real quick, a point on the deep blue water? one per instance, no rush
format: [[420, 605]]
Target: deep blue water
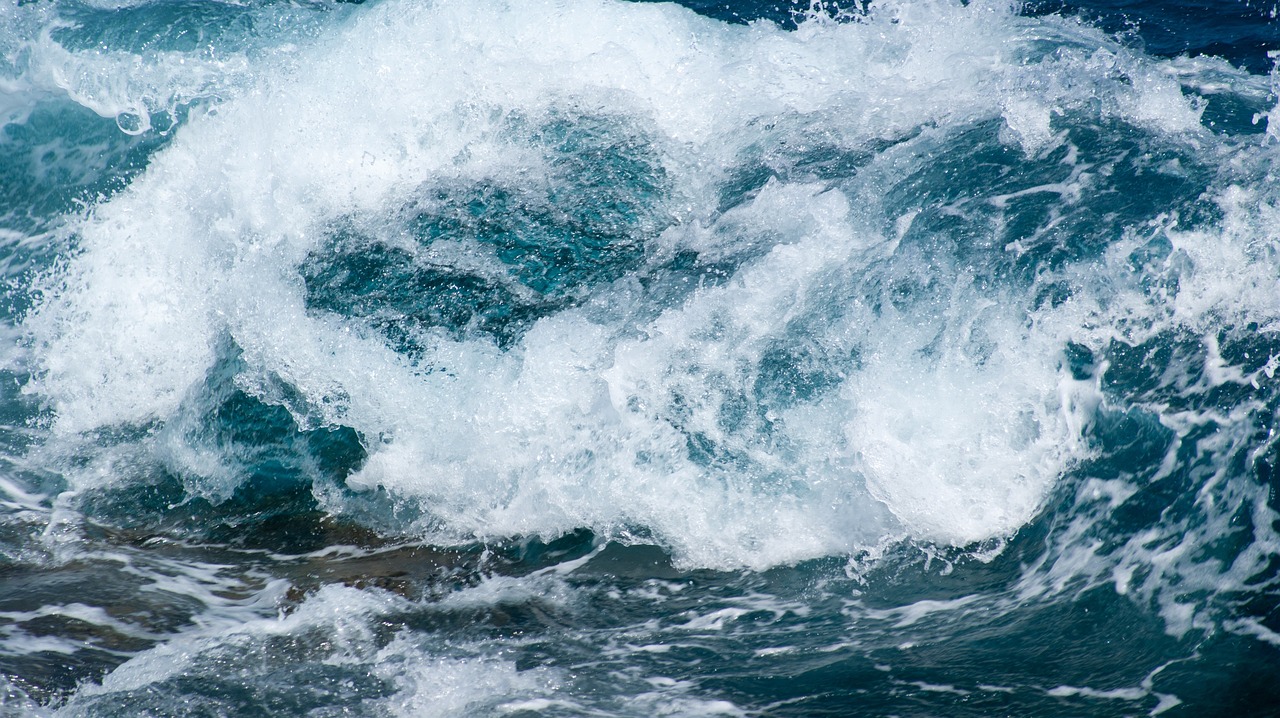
[[591, 358]]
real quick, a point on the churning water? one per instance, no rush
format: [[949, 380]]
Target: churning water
[[593, 358]]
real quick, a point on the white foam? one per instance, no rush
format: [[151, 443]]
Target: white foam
[[426, 682], [461, 687], [589, 419], [1030, 121], [343, 614], [964, 452]]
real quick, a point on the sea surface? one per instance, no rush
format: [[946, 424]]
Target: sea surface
[[599, 358]]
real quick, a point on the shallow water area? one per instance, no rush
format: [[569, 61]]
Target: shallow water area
[[587, 358]]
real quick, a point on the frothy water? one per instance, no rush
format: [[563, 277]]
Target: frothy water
[[596, 358], [525, 290]]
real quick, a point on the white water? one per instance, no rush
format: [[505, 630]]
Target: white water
[[951, 425]]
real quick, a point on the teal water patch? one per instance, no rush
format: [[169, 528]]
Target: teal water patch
[[489, 258], [1009, 217], [61, 160], [232, 467], [799, 150]]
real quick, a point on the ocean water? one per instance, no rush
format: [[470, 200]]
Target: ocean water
[[600, 358]]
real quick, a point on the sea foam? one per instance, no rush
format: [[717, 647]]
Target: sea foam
[[764, 360]]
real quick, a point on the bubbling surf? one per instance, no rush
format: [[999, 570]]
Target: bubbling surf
[[517, 261], [588, 302]]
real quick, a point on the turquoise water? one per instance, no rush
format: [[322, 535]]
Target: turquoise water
[[584, 358]]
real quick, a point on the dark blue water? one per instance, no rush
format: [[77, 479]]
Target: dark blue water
[[584, 358]]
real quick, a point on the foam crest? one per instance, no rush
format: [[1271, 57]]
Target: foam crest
[[616, 266], [962, 453]]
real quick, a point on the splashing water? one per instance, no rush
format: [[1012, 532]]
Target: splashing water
[[596, 358]]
